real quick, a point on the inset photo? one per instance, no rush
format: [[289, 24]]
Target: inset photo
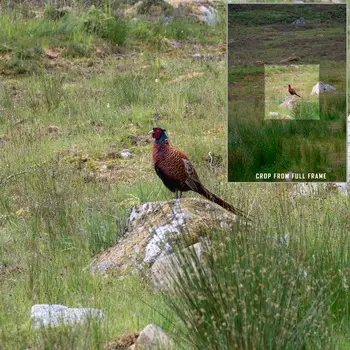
[[287, 93]]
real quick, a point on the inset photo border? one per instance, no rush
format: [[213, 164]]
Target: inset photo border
[[287, 92]]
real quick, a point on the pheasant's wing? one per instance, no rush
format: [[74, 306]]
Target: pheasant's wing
[[192, 180]]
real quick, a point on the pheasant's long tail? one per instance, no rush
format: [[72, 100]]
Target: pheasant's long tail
[[298, 95], [214, 198]]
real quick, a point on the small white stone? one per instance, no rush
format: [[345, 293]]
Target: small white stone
[[126, 154]]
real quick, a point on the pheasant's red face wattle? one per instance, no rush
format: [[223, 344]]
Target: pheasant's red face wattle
[[156, 133], [159, 135]]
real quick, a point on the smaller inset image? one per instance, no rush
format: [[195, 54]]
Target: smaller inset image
[[289, 92]]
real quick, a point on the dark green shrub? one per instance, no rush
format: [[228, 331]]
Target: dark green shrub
[[105, 26], [74, 49], [155, 8], [55, 13]]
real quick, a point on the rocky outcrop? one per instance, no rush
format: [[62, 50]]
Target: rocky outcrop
[[202, 10], [167, 267], [321, 88], [290, 59], [300, 20], [154, 228], [152, 337], [289, 102]]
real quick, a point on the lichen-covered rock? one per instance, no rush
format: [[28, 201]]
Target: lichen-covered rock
[[300, 20], [289, 102], [166, 267], [44, 315], [152, 337], [155, 227], [209, 15]]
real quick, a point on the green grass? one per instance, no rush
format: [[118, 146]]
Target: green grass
[[64, 197], [254, 292], [285, 146], [63, 210], [25, 41], [49, 242], [77, 34]]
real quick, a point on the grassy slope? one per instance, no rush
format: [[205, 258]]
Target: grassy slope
[[73, 199], [64, 210]]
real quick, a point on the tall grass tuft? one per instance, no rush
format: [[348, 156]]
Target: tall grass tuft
[[260, 290], [106, 26]]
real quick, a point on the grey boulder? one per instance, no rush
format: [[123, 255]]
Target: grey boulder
[[43, 315]]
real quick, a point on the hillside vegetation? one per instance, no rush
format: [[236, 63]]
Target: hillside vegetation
[[79, 88]]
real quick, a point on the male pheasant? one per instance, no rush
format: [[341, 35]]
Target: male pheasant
[[292, 91], [177, 173]]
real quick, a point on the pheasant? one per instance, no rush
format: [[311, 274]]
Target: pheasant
[[292, 91], [177, 173]]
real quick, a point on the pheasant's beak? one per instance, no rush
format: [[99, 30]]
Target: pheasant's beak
[[151, 132]]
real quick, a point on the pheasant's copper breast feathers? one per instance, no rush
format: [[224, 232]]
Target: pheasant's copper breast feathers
[[170, 167]]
